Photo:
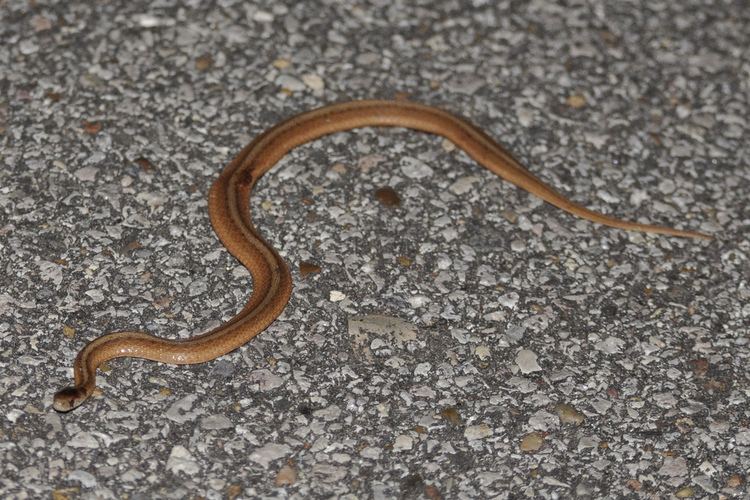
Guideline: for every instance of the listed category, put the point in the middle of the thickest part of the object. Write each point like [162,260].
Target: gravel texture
[449,336]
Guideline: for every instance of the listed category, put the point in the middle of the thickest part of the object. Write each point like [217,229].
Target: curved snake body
[228,205]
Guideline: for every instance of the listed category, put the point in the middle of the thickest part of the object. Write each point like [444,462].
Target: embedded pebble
[509,300]
[329,413]
[480,431]
[287,475]
[313,81]
[482,352]
[388,196]
[87,174]
[307,268]
[569,415]
[83,440]
[418,301]
[403,443]
[181,460]
[531,442]
[526,361]
[610,345]
[415,169]
[464,184]
[465,84]
[290,83]
[86,479]
[268,453]
[264,380]
[675,469]
[215,422]
[180,412]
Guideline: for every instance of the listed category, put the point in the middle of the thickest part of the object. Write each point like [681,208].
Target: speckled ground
[470,342]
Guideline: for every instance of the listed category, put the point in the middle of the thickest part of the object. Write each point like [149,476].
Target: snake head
[68,399]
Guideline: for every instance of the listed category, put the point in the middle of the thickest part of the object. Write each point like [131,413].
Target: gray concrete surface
[471,343]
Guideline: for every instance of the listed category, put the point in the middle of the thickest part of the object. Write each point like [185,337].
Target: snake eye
[68,399]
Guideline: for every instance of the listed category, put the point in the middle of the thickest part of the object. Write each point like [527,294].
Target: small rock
[418,300]
[576,101]
[403,443]
[463,184]
[307,268]
[180,410]
[86,174]
[268,453]
[451,415]
[667,186]
[480,431]
[83,440]
[414,168]
[216,422]
[264,380]
[180,460]
[610,345]
[329,413]
[482,352]
[685,492]
[674,469]
[526,361]
[532,441]
[313,81]
[509,300]
[370,452]
[735,481]
[86,479]
[387,196]
[569,415]
[287,475]
[467,83]
[290,83]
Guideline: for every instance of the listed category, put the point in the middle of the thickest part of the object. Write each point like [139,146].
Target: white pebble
[526,361]
[480,431]
[402,443]
[313,81]
[414,168]
[180,460]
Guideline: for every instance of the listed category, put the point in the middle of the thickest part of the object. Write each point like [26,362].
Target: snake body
[228,205]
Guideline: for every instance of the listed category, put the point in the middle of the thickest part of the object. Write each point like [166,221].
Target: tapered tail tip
[696,234]
[680,233]
[68,399]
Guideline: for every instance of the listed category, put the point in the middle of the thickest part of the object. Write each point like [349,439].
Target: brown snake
[228,207]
